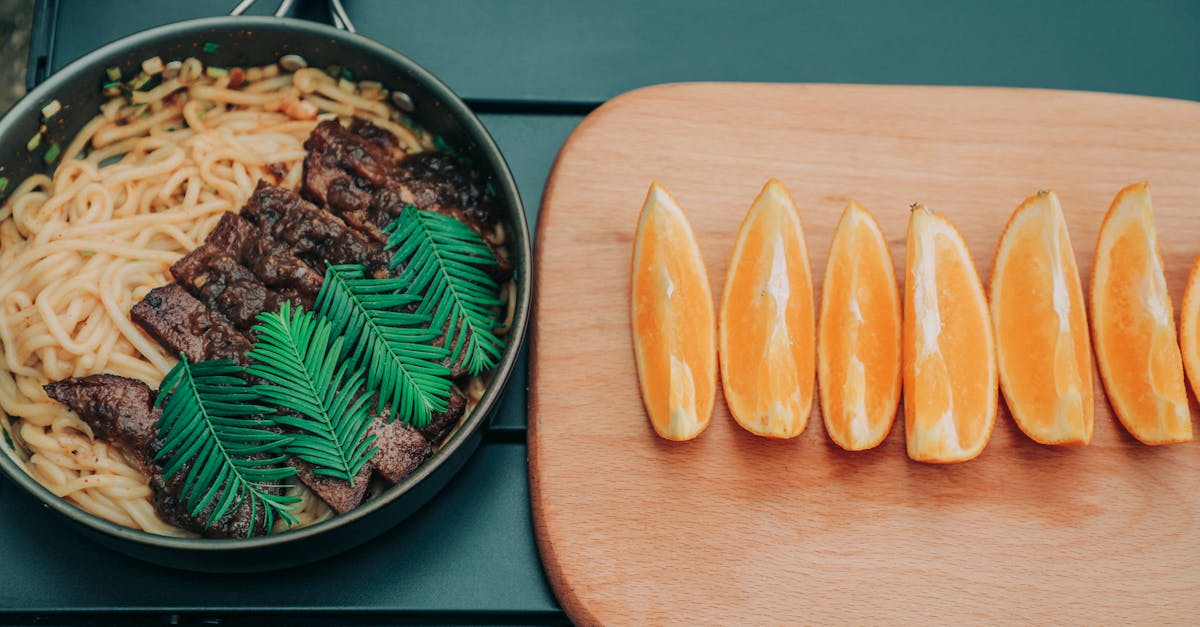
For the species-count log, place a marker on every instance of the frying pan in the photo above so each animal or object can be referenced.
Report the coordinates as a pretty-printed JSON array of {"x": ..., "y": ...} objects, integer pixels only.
[{"x": 245, "y": 41}]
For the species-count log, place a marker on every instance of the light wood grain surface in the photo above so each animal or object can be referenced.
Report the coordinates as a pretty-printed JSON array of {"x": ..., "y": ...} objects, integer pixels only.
[{"x": 734, "y": 529}]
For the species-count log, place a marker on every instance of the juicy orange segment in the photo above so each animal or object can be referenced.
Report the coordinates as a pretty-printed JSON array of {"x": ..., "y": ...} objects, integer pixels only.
[
  {"x": 671, "y": 307},
  {"x": 767, "y": 331},
  {"x": 858, "y": 347},
  {"x": 1189, "y": 328},
  {"x": 949, "y": 353},
  {"x": 1043, "y": 350},
  {"x": 1133, "y": 324}
]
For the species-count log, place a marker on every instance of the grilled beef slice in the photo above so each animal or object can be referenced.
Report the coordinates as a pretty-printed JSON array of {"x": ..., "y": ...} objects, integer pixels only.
[
  {"x": 439, "y": 182},
  {"x": 337, "y": 493},
  {"x": 442, "y": 422},
  {"x": 313, "y": 235},
  {"x": 271, "y": 261},
  {"x": 368, "y": 194},
  {"x": 401, "y": 449},
  {"x": 121, "y": 411},
  {"x": 184, "y": 325},
  {"x": 217, "y": 279}
]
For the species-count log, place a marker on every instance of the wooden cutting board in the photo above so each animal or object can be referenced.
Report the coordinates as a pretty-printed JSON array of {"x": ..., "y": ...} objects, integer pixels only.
[{"x": 734, "y": 529}]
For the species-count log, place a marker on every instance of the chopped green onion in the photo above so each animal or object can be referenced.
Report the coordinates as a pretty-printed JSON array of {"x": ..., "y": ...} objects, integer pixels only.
[
  {"x": 114, "y": 73},
  {"x": 211, "y": 47},
  {"x": 7, "y": 439},
  {"x": 3, "y": 184},
  {"x": 51, "y": 108},
  {"x": 139, "y": 81},
  {"x": 215, "y": 72},
  {"x": 51, "y": 153},
  {"x": 86, "y": 253},
  {"x": 333, "y": 70},
  {"x": 112, "y": 85},
  {"x": 33, "y": 142},
  {"x": 347, "y": 74}
]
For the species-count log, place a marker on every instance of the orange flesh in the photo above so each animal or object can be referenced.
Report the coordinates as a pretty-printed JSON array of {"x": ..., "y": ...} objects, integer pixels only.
[
  {"x": 767, "y": 331},
  {"x": 1134, "y": 324},
  {"x": 859, "y": 344},
  {"x": 1189, "y": 328},
  {"x": 949, "y": 354},
  {"x": 674, "y": 333},
  {"x": 1043, "y": 349}
]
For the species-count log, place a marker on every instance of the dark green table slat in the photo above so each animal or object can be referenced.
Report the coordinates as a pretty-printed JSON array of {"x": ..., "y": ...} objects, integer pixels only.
[
  {"x": 471, "y": 549},
  {"x": 550, "y": 50},
  {"x": 529, "y": 144},
  {"x": 587, "y": 52}
]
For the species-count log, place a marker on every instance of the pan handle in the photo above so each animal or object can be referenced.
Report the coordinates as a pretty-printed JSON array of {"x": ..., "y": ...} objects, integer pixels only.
[
  {"x": 340, "y": 19},
  {"x": 284, "y": 7},
  {"x": 337, "y": 12}
]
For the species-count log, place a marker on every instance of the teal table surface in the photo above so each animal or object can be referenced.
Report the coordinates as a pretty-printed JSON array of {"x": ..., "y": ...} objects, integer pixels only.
[{"x": 532, "y": 69}]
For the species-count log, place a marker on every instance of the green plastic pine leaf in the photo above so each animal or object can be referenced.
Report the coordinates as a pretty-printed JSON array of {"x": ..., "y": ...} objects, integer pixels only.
[
  {"x": 212, "y": 429},
  {"x": 300, "y": 358},
  {"x": 442, "y": 259},
  {"x": 390, "y": 344}
]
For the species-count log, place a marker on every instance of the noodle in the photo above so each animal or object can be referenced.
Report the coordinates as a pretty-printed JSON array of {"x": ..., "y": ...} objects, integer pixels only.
[{"x": 139, "y": 187}]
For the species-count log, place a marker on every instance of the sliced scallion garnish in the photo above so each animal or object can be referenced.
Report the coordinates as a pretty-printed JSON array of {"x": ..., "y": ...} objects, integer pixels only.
[{"x": 51, "y": 153}]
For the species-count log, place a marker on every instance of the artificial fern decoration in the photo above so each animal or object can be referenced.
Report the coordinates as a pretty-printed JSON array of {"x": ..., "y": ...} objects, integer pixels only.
[
  {"x": 392, "y": 345},
  {"x": 300, "y": 359},
  {"x": 211, "y": 427},
  {"x": 442, "y": 259}
]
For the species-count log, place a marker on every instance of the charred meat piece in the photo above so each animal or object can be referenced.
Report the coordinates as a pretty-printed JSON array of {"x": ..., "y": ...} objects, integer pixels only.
[
  {"x": 442, "y": 423},
  {"x": 219, "y": 281},
  {"x": 122, "y": 412},
  {"x": 313, "y": 235},
  {"x": 271, "y": 261},
  {"x": 338, "y": 493},
  {"x": 401, "y": 449},
  {"x": 379, "y": 136},
  {"x": 430, "y": 181},
  {"x": 441, "y": 183},
  {"x": 334, "y": 151},
  {"x": 119, "y": 410},
  {"x": 183, "y": 324}
]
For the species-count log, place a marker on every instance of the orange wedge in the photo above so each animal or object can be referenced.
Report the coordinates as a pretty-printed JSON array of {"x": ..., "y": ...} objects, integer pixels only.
[
  {"x": 767, "y": 332},
  {"x": 949, "y": 353},
  {"x": 1189, "y": 328},
  {"x": 674, "y": 334},
  {"x": 1133, "y": 324},
  {"x": 858, "y": 349},
  {"x": 1042, "y": 346}
]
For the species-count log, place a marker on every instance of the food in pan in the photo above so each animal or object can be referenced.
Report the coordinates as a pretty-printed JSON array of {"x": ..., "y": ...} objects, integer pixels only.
[
  {"x": 674, "y": 331},
  {"x": 858, "y": 342},
  {"x": 1133, "y": 324},
  {"x": 247, "y": 299},
  {"x": 767, "y": 332},
  {"x": 1043, "y": 347},
  {"x": 949, "y": 352}
]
